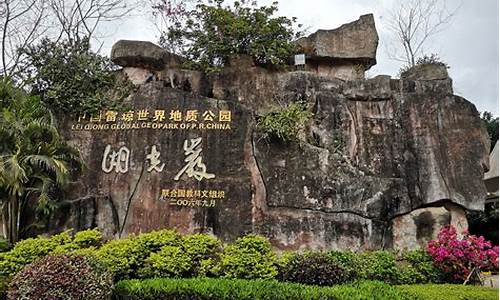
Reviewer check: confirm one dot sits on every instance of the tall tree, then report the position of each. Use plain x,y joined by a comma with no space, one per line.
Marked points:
412,24
35,161
24,22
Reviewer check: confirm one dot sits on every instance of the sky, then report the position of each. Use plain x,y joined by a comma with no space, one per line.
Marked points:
468,44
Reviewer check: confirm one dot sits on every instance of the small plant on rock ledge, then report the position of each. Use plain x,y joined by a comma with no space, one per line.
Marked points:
285,124
432,59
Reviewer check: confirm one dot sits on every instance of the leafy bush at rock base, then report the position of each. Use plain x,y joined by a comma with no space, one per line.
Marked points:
249,257
170,261
62,277
314,268
457,256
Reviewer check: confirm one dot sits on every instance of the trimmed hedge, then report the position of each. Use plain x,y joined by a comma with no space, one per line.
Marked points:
238,289
449,292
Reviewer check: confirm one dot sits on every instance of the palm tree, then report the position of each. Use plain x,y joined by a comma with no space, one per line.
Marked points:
35,162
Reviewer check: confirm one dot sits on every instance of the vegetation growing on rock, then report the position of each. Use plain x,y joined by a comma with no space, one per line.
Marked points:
211,33
285,124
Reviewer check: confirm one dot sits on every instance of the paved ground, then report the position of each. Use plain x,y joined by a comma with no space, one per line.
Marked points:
491,281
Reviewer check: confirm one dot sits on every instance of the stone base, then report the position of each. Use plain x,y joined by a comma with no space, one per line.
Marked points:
415,229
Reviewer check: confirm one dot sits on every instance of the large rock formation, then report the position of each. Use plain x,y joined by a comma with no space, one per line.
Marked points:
345,52
383,162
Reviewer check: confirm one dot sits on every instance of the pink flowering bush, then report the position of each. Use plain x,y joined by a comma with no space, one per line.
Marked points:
457,256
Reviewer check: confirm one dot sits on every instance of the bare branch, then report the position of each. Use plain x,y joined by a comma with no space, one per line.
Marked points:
24,22
413,23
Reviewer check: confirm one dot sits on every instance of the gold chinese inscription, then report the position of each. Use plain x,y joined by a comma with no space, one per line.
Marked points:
192,198
194,167
156,119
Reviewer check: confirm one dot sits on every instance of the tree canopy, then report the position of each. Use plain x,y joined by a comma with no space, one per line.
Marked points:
209,34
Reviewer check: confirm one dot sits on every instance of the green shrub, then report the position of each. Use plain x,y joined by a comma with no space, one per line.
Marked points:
61,277
379,265
4,283
282,262
4,245
122,257
432,59
237,289
27,251
419,269
88,238
349,261
249,257
284,125
171,261
153,241
449,292
204,252
126,258
316,268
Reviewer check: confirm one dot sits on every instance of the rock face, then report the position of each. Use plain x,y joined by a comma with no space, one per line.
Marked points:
345,52
383,163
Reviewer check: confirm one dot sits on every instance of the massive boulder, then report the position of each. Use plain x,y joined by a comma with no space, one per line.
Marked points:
356,41
345,52
382,163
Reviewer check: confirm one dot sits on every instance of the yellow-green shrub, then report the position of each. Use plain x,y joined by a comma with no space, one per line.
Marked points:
249,257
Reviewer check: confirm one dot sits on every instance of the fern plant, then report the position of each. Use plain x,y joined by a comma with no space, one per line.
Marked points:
284,124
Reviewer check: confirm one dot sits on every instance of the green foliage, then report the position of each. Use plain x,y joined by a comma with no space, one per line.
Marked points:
211,33
449,292
153,241
171,261
316,268
379,265
285,124
234,289
432,59
70,78
349,262
126,258
62,277
491,124
485,223
4,245
122,257
35,160
204,252
166,253
248,257
27,251
419,269
88,238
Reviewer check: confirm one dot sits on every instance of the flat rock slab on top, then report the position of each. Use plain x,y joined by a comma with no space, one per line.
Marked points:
142,54
356,41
